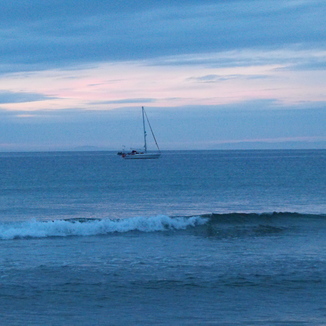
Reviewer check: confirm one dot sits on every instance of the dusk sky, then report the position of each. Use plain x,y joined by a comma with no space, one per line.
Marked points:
223,74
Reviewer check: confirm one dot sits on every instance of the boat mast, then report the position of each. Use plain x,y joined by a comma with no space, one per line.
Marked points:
150,127
145,144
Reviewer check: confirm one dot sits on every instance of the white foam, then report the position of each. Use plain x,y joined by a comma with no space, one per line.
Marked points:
62,228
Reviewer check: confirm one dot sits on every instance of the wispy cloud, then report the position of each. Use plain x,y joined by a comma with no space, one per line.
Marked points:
21,97
128,101
219,78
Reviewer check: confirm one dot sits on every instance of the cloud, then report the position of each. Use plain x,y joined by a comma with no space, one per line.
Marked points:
291,58
312,64
21,97
128,101
48,34
219,78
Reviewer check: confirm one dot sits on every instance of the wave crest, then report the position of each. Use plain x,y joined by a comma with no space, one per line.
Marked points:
215,224
89,227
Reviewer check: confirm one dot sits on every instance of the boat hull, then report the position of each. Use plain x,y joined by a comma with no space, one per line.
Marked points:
139,156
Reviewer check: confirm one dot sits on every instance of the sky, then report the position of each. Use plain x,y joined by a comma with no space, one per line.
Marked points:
223,74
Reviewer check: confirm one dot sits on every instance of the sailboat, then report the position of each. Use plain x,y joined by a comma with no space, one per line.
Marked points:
143,154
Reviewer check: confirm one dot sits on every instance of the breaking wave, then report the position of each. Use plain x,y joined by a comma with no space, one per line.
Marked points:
89,227
214,224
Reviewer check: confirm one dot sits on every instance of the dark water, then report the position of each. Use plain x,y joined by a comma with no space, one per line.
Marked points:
194,238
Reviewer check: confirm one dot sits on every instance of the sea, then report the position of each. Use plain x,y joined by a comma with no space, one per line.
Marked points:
193,238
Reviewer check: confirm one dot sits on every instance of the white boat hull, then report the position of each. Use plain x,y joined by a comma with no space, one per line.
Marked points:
140,156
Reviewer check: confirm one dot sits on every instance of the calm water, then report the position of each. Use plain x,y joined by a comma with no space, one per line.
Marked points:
194,238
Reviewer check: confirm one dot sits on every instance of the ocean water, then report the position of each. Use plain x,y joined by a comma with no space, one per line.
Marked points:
194,238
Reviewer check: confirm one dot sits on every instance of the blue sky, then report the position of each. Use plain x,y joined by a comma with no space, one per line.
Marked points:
212,74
